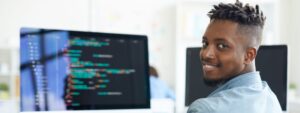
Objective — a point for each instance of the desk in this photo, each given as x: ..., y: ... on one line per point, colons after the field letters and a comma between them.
x: 294, y: 105
x: 9, y: 106
x: 162, y: 106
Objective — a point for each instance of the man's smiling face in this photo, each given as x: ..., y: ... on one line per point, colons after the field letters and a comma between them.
x: 223, y: 52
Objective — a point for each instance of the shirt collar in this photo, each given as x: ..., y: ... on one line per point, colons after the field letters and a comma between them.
x: 245, y: 79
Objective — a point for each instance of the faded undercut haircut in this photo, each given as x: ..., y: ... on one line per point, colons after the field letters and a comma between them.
x: 251, y: 20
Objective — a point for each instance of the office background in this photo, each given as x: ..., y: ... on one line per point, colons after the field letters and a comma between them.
x: 171, y: 26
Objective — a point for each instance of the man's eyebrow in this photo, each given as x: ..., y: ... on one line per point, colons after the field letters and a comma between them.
x: 204, y: 38
x: 220, y: 40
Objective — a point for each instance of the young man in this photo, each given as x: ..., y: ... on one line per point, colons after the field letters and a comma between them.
x: 230, y: 45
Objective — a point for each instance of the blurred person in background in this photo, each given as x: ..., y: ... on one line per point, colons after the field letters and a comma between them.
x: 158, y: 88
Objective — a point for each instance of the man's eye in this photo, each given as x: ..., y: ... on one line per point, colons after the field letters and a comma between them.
x: 204, y: 44
x: 222, y: 46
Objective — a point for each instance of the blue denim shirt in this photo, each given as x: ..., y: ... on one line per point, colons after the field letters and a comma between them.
x: 246, y: 93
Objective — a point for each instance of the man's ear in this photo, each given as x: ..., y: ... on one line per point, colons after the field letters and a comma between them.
x: 250, y: 55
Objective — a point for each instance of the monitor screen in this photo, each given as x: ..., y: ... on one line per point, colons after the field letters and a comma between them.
x: 65, y: 70
x: 271, y: 62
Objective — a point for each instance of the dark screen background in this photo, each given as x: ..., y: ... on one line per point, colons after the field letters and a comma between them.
x: 271, y: 62
x: 72, y: 70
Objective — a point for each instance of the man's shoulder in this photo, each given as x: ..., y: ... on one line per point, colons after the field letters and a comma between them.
x: 255, y: 88
x: 215, y: 101
x: 200, y: 105
x: 209, y: 105
x: 234, y: 100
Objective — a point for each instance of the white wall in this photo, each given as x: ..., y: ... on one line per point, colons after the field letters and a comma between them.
x: 152, y: 17
x: 289, y: 34
x: 62, y: 14
x: 293, y: 39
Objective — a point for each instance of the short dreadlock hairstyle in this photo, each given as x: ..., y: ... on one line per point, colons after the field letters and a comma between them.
x: 245, y: 15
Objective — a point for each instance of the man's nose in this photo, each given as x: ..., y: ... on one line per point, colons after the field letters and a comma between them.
x: 208, y: 53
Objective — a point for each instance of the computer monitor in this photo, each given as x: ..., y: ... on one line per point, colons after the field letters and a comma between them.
x: 271, y: 62
x: 64, y: 71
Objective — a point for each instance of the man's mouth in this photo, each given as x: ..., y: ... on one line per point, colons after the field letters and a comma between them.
x: 209, y: 67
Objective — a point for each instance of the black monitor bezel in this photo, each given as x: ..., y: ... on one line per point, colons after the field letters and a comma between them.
x: 283, y: 47
x: 110, y: 35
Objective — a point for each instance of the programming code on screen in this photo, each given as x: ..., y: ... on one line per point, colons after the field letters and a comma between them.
x: 69, y: 70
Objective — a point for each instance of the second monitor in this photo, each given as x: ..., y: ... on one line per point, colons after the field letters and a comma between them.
x: 271, y: 62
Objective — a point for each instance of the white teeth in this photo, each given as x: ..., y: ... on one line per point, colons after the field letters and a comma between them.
x: 209, y: 67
